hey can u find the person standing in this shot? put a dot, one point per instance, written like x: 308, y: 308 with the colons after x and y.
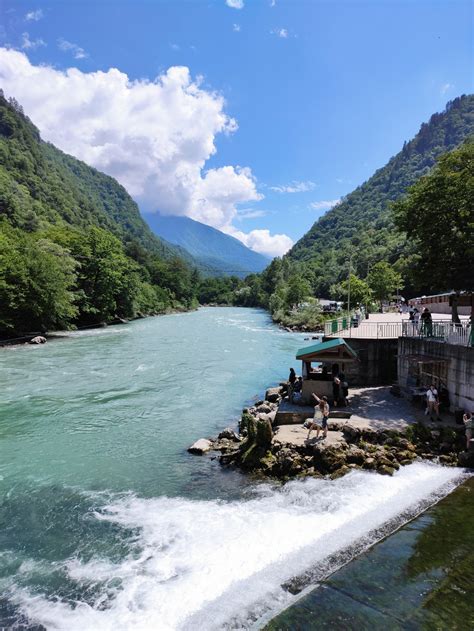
x: 321, y: 407
x: 291, y: 384
x: 344, y: 388
x: 416, y: 321
x: 427, y: 322
x: 468, y: 420
x: 432, y: 402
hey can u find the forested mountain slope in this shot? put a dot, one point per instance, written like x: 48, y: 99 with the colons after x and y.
x: 222, y: 254
x: 74, y: 249
x: 361, y: 225
x: 39, y: 183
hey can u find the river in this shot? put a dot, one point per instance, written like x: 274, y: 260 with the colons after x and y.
x: 106, y: 521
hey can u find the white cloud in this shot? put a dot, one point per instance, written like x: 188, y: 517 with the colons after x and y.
x: 251, y: 214
x: 34, y: 16
x: 236, y: 28
x: 445, y: 87
x: 262, y: 241
x: 324, y: 204
x: 154, y: 137
x: 175, y: 46
x: 272, y: 3
x: 295, y: 187
x: 77, y: 51
x: 31, y: 44
x: 280, y: 32
x: 235, y: 4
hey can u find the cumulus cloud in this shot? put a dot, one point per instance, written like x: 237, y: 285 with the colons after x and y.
x: 264, y: 242
x: 235, y: 4
x: 154, y: 137
x: 295, y: 187
x: 34, y: 16
x: 324, y: 204
x: 30, y: 44
x: 236, y: 28
x: 77, y: 51
x: 280, y: 32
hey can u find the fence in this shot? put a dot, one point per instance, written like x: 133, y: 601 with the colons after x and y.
x: 373, y: 330
x: 441, y: 331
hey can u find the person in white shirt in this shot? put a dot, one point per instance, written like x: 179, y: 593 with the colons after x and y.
x: 432, y: 402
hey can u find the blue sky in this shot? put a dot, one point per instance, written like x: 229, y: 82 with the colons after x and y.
x: 318, y: 94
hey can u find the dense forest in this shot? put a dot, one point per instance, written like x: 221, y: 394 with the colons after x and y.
x: 74, y: 249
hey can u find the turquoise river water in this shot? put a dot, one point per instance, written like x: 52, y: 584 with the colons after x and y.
x: 106, y: 522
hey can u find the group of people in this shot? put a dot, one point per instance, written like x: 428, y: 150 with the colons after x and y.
x: 426, y: 318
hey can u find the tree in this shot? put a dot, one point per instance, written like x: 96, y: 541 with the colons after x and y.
x: 361, y: 293
x: 298, y: 290
x: 36, y: 282
x: 438, y: 216
x: 384, y: 281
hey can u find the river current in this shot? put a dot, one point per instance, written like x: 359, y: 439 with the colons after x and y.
x: 106, y: 522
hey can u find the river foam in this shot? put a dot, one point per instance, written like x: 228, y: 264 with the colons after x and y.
x: 215, y: 564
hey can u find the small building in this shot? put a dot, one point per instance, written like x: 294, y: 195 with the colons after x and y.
x: 332, y: 358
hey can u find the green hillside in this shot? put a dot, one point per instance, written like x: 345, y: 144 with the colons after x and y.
x: 74, y: 249
x: 361, y: 225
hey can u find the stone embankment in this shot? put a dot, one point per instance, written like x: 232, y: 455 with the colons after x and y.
x: 258, y: 447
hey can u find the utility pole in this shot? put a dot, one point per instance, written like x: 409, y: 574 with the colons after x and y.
x: 349, y: 286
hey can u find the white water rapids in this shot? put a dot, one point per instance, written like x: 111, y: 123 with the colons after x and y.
x: 195, y: 565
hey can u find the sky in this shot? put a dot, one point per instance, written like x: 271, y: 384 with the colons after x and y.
x: 253, y: 116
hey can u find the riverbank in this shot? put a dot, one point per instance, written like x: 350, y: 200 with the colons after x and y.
x: 28, y: 338
x: 420, y: 577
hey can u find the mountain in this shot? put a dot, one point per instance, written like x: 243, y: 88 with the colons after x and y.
x: 222, y: 254
x: 74, y: 249
x: 41, y: 183
x: 361, y: 226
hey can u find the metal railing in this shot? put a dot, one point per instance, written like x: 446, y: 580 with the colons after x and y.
x: 441, y: 331
x: 345, y: 327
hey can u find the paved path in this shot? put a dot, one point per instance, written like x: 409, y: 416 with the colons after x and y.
x: 371, y: 408
x: 383, y: 325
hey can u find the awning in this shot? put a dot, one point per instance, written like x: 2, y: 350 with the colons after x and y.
x: 337, y: 350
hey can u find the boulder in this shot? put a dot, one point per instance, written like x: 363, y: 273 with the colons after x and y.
x: 272, y: 395
x: 385, y: 470
x: 39, y: 339
x: 351, y: 434
x: 264, y: 408
x: 354, y: 455
x: 200, y: 447
x: 229, y: 434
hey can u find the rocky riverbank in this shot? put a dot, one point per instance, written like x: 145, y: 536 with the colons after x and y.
x: 266, y: 450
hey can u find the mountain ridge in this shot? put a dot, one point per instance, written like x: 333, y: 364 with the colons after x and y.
x: 221, y: 253
x: 361, y: 226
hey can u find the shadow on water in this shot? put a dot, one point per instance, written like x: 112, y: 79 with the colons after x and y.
x: 421, y: 577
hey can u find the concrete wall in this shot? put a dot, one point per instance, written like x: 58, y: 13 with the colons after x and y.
x: 377, y: 365
x: 460, y: 367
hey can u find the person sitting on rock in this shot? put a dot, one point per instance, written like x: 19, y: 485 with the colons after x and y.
x: 321, y: 407
x: 298, y: 385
